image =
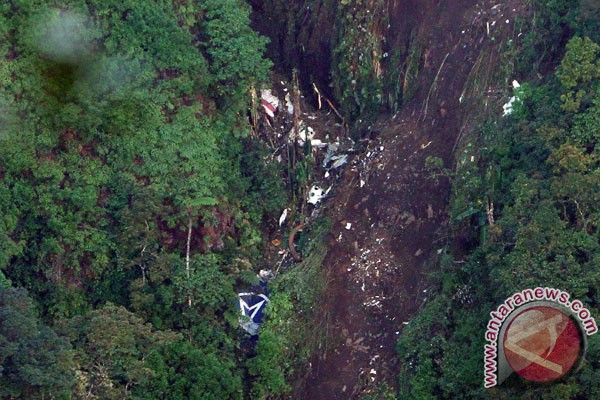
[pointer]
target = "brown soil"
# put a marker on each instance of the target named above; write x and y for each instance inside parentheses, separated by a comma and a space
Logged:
(389, 214)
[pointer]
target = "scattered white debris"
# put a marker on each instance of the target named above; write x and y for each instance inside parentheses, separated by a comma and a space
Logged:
(362, 183)
(283, 216)
(373, 372)
(516, 84)
(348, 226)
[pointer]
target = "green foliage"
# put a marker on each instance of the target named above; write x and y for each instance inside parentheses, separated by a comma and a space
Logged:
(272, 365)
(234, 48)
(189, 372)
(381, 392)
(546, 32)
(288, 337)
(356, 61)
(118, 355)
(120, 124)
(540, 170)
(34, 361)
(578, 70)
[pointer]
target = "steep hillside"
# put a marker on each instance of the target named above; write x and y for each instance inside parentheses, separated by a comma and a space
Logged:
(432, 72)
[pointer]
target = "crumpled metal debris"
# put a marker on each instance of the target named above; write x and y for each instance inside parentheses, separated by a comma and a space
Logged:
(315, 195)
(269, 102)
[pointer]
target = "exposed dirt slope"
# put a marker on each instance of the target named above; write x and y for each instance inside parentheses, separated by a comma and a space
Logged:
(389, 213)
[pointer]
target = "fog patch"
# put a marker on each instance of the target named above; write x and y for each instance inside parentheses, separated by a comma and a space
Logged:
(63, 36)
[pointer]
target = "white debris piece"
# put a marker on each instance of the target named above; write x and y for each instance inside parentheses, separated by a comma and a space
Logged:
(348, 226)
(508, 107)
(317, 143)
(515, 84)
(373, 372)
(289, 105)
(283, 216)
(315, 195)
(269, 102)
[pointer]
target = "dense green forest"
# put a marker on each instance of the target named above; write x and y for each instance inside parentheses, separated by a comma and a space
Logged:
(123, 138)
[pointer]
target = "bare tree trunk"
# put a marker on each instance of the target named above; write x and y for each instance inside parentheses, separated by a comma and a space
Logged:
(187, 256)
(490, 212)
(296, 101)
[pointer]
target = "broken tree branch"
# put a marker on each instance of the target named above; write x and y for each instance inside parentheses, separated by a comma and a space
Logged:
(433, 86)
(318, 92)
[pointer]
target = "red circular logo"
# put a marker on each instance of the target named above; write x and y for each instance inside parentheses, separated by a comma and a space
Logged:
(542, 344)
